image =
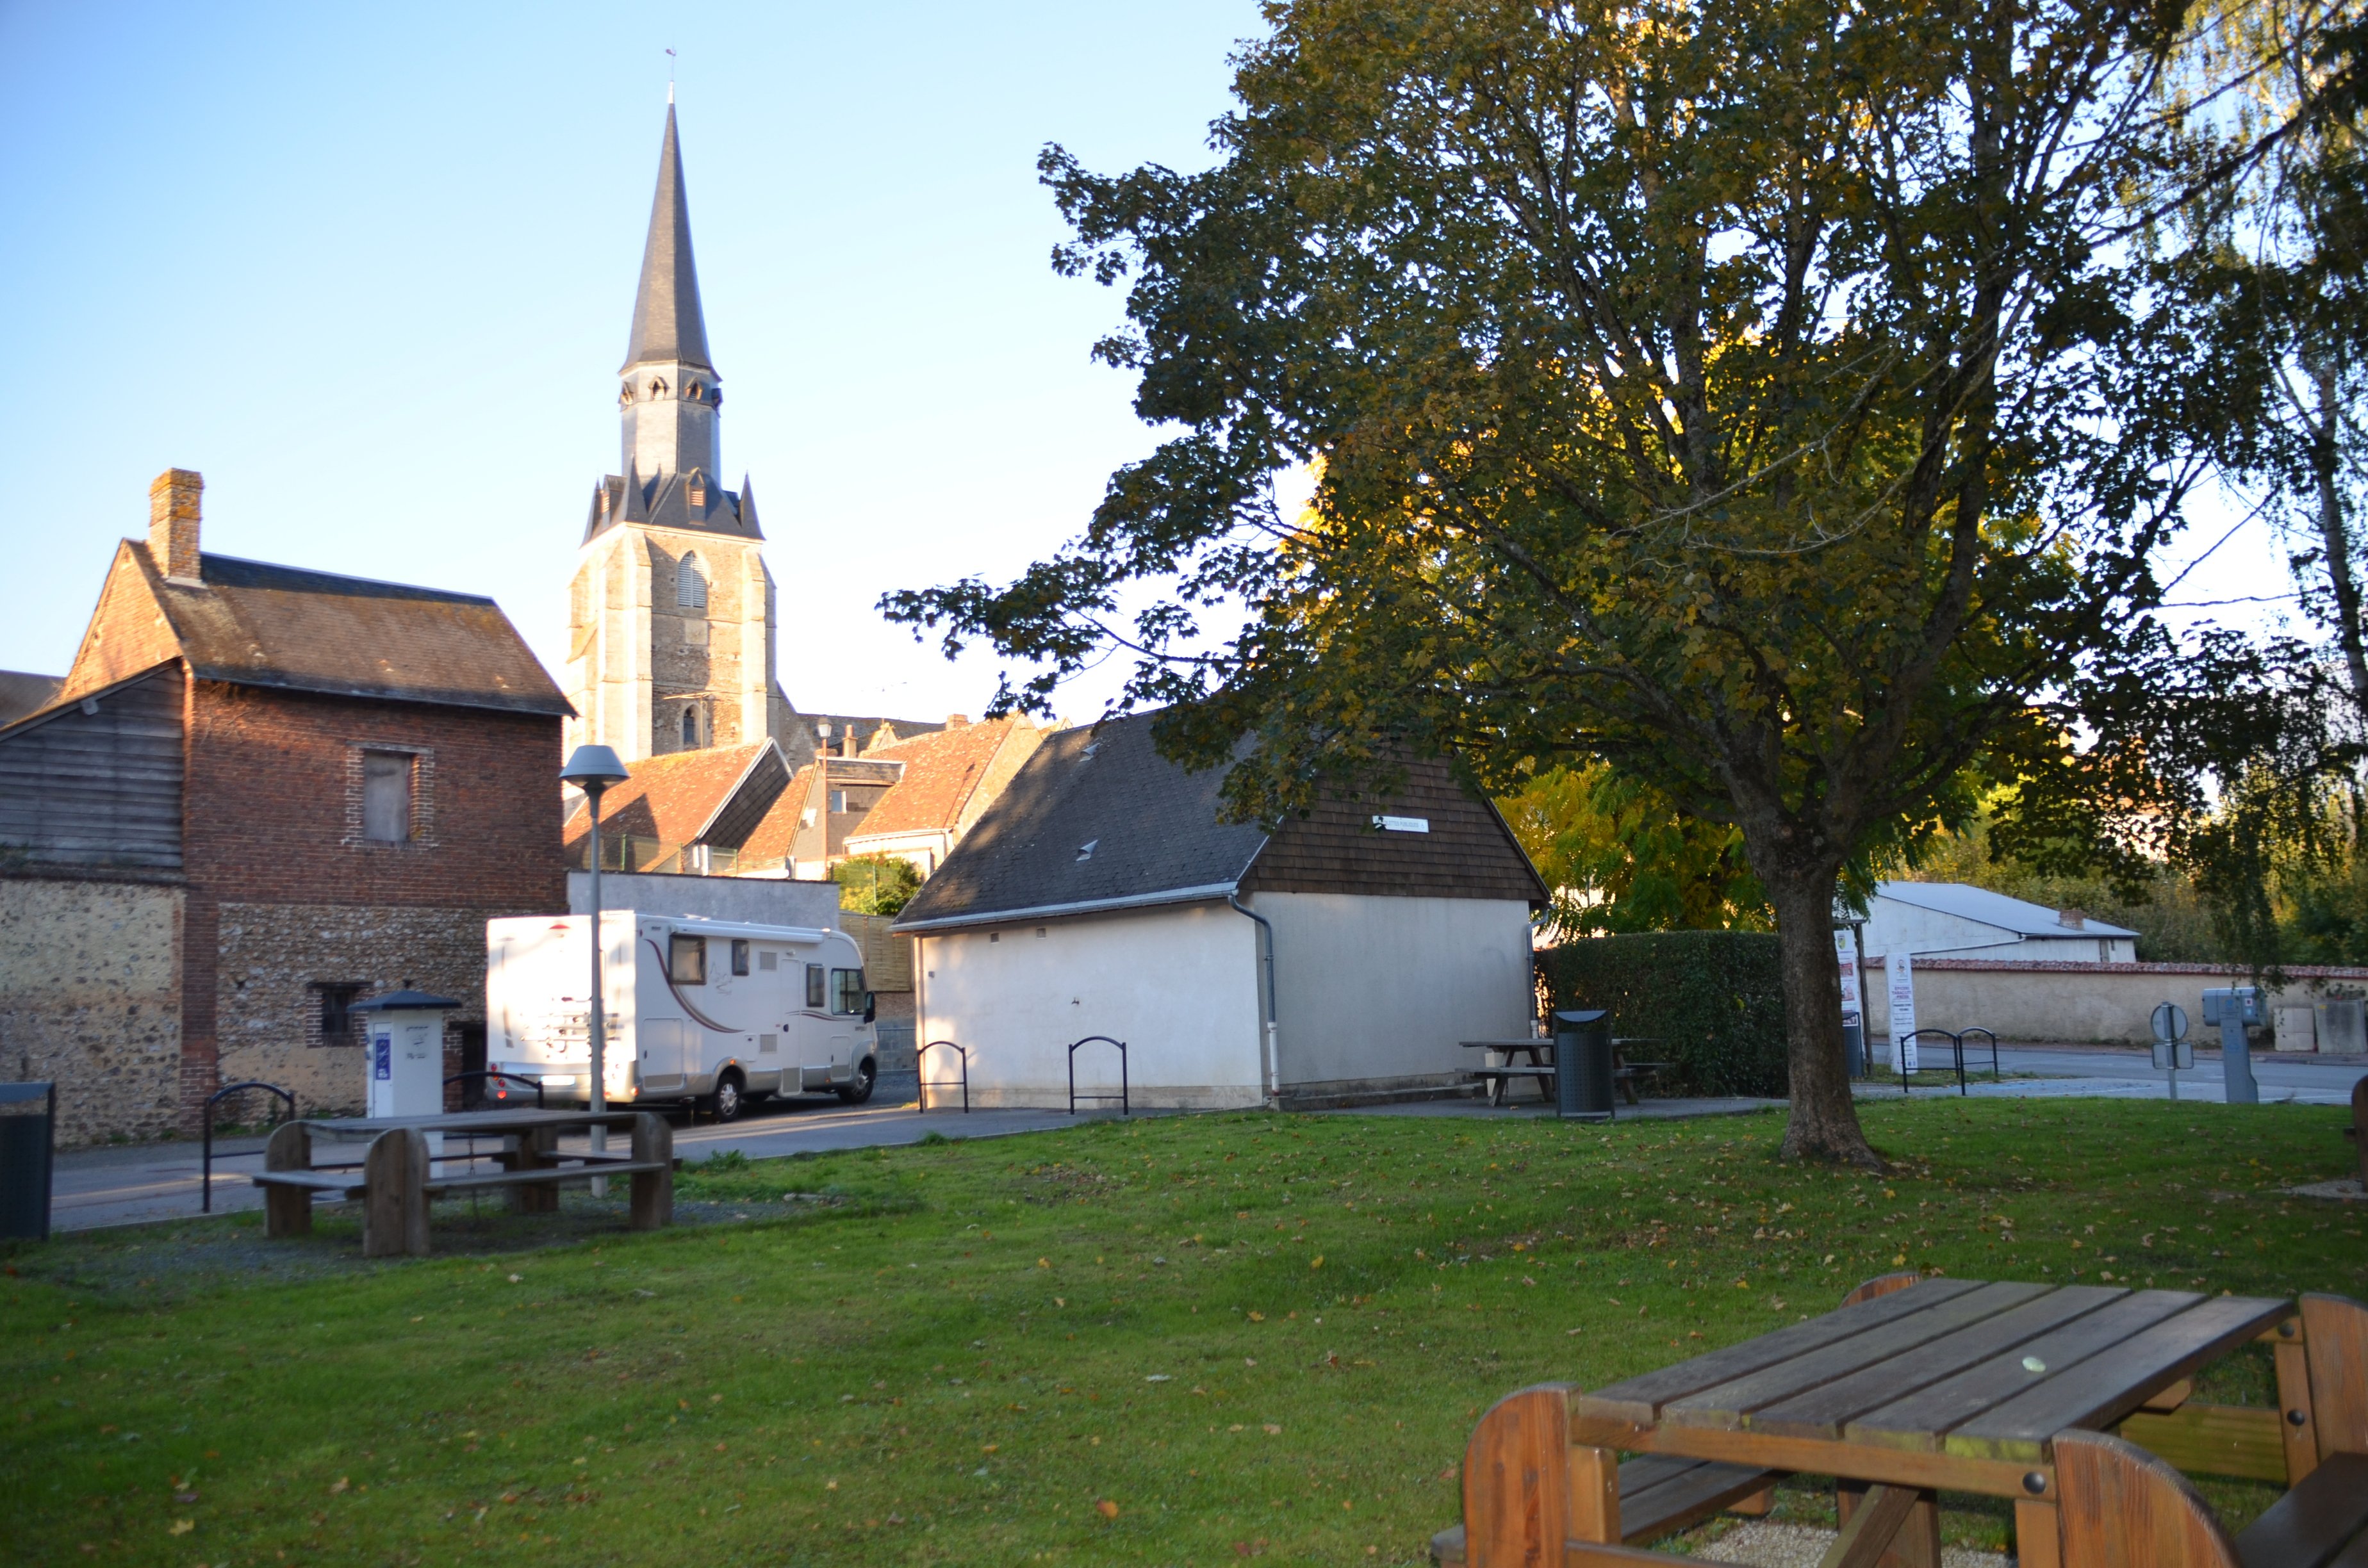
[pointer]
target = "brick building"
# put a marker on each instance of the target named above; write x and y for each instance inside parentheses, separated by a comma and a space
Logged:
(259, 796)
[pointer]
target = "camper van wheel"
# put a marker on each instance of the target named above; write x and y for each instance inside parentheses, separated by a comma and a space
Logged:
(726, 1102)
(857, 1089)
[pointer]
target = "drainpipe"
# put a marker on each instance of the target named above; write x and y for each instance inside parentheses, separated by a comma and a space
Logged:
(1268, 1052)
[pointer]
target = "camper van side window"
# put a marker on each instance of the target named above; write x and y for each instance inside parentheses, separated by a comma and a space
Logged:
(847, 991)
(814, 985)
(687, 960)
(739, 955)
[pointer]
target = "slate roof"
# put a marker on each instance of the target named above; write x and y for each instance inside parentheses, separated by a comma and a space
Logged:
(254, 624)
(1152, 828)
(717, 795)
(667, 322)
(942, 771)
(1969, 903)
(22, 693)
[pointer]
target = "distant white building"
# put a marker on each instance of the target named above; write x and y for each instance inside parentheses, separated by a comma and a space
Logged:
(1955, 920)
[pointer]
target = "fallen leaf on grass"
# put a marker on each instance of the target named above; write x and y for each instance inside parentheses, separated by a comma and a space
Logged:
(339, 1486)
(183, 1527)
(1106, 1508)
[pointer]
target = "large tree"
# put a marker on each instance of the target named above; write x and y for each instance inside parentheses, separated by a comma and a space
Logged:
(1766, 397)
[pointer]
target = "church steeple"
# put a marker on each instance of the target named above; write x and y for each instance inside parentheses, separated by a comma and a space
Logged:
(668, 325)
(670, 393)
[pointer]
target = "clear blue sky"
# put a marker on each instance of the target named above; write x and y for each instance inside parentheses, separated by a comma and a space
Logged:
(369, 271)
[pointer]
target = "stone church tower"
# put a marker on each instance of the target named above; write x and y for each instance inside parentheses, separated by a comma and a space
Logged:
(670, 616)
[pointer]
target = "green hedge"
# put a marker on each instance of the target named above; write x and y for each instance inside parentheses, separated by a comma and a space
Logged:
(1712, 1001)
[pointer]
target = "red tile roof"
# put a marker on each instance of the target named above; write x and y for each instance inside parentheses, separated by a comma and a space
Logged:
(669, 798)
(941, 772)
(770, 843)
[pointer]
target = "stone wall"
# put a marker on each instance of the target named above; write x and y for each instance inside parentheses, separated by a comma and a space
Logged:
(275, 957)
(2108, 1003)
(90, 996)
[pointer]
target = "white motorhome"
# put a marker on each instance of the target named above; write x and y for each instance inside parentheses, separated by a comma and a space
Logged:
(711, 1010)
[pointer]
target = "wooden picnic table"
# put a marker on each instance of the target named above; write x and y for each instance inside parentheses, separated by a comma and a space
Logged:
(2005, 1389)
(400, 1172)
(1498, 1077)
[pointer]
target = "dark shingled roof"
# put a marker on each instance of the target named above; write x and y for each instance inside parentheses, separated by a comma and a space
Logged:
(1152, 826)
(279, 626)
(666, 320)
(1156, 838)
(21, 694)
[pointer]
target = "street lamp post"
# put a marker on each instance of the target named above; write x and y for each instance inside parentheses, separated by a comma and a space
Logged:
(593, 769)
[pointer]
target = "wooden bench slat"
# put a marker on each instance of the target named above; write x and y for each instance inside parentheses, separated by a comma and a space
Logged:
(1727, 1406)
(318, 1180)
(1824, 1411)
(2213, 1440)
(1659, 1495)
(1637, 1400)
(2310, 1524)
(1687, 1498)
(441, 1185)
(2109, 1385)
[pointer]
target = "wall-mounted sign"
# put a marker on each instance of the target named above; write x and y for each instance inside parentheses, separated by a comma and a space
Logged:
(1403, 825)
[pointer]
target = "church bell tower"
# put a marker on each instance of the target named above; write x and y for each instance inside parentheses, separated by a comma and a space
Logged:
(670, 615)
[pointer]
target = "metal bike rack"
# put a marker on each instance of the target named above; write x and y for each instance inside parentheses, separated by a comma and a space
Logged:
(1957, 1049)
(1977, 1030)
(1123, 1109)
(206, 1181)
(921, 1100)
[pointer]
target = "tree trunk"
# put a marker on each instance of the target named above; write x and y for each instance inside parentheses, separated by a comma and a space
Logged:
(2334, 529)
(1824, 1124)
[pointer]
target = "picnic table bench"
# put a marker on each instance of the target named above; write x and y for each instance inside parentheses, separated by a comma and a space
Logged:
(398, 1175)
(1497, 1076)
(2076, 1402)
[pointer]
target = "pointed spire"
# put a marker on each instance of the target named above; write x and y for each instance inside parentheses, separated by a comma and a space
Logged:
(668, 325)
(748, 507)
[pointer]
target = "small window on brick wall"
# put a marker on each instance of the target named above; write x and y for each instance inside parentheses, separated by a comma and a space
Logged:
(386, 796)
(338, 1014)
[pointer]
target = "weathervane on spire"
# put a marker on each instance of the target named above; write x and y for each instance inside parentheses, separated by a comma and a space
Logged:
(670, 76)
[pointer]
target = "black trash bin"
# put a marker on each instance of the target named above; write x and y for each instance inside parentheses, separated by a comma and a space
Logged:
(29, 1136)
(1583, 1064)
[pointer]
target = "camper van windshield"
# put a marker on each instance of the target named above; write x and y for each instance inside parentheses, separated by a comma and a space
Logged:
(687, 960)
(847, 991)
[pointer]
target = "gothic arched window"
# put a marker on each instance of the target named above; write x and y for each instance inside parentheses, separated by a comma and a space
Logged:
(690, 583)
(657, 387)
(691, 726)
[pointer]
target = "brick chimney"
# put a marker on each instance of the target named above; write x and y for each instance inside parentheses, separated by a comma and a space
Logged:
(957, 721)
(173, 523)
(2072, 919)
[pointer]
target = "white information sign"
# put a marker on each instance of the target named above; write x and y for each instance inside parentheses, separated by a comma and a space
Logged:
(1845, 955)
(1901, 977)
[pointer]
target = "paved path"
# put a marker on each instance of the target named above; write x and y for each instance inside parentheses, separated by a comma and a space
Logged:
(160, 1181)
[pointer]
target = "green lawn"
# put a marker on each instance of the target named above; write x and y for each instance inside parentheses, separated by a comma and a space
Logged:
(1178, 1340)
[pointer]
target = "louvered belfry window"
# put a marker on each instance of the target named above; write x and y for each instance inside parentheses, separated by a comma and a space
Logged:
(386, 797)
(689, 584)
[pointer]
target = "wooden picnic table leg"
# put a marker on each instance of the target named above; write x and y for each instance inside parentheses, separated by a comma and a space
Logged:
(1546, 1090)
(652, 1204)
(1915, 1543)
(2038, 1535)
(287, 1211)
(533, 1150)
(2334, 1329)
(394, 1195)
(2294, 1423)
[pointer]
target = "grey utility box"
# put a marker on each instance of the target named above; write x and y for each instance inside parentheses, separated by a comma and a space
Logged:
(2234, 1008)
(2343, 1026)
(1583, 1064)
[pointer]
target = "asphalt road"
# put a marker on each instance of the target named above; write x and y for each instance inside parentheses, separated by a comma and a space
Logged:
(146, 1182)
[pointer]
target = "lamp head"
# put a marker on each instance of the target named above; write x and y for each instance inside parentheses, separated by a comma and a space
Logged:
(592, 769)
